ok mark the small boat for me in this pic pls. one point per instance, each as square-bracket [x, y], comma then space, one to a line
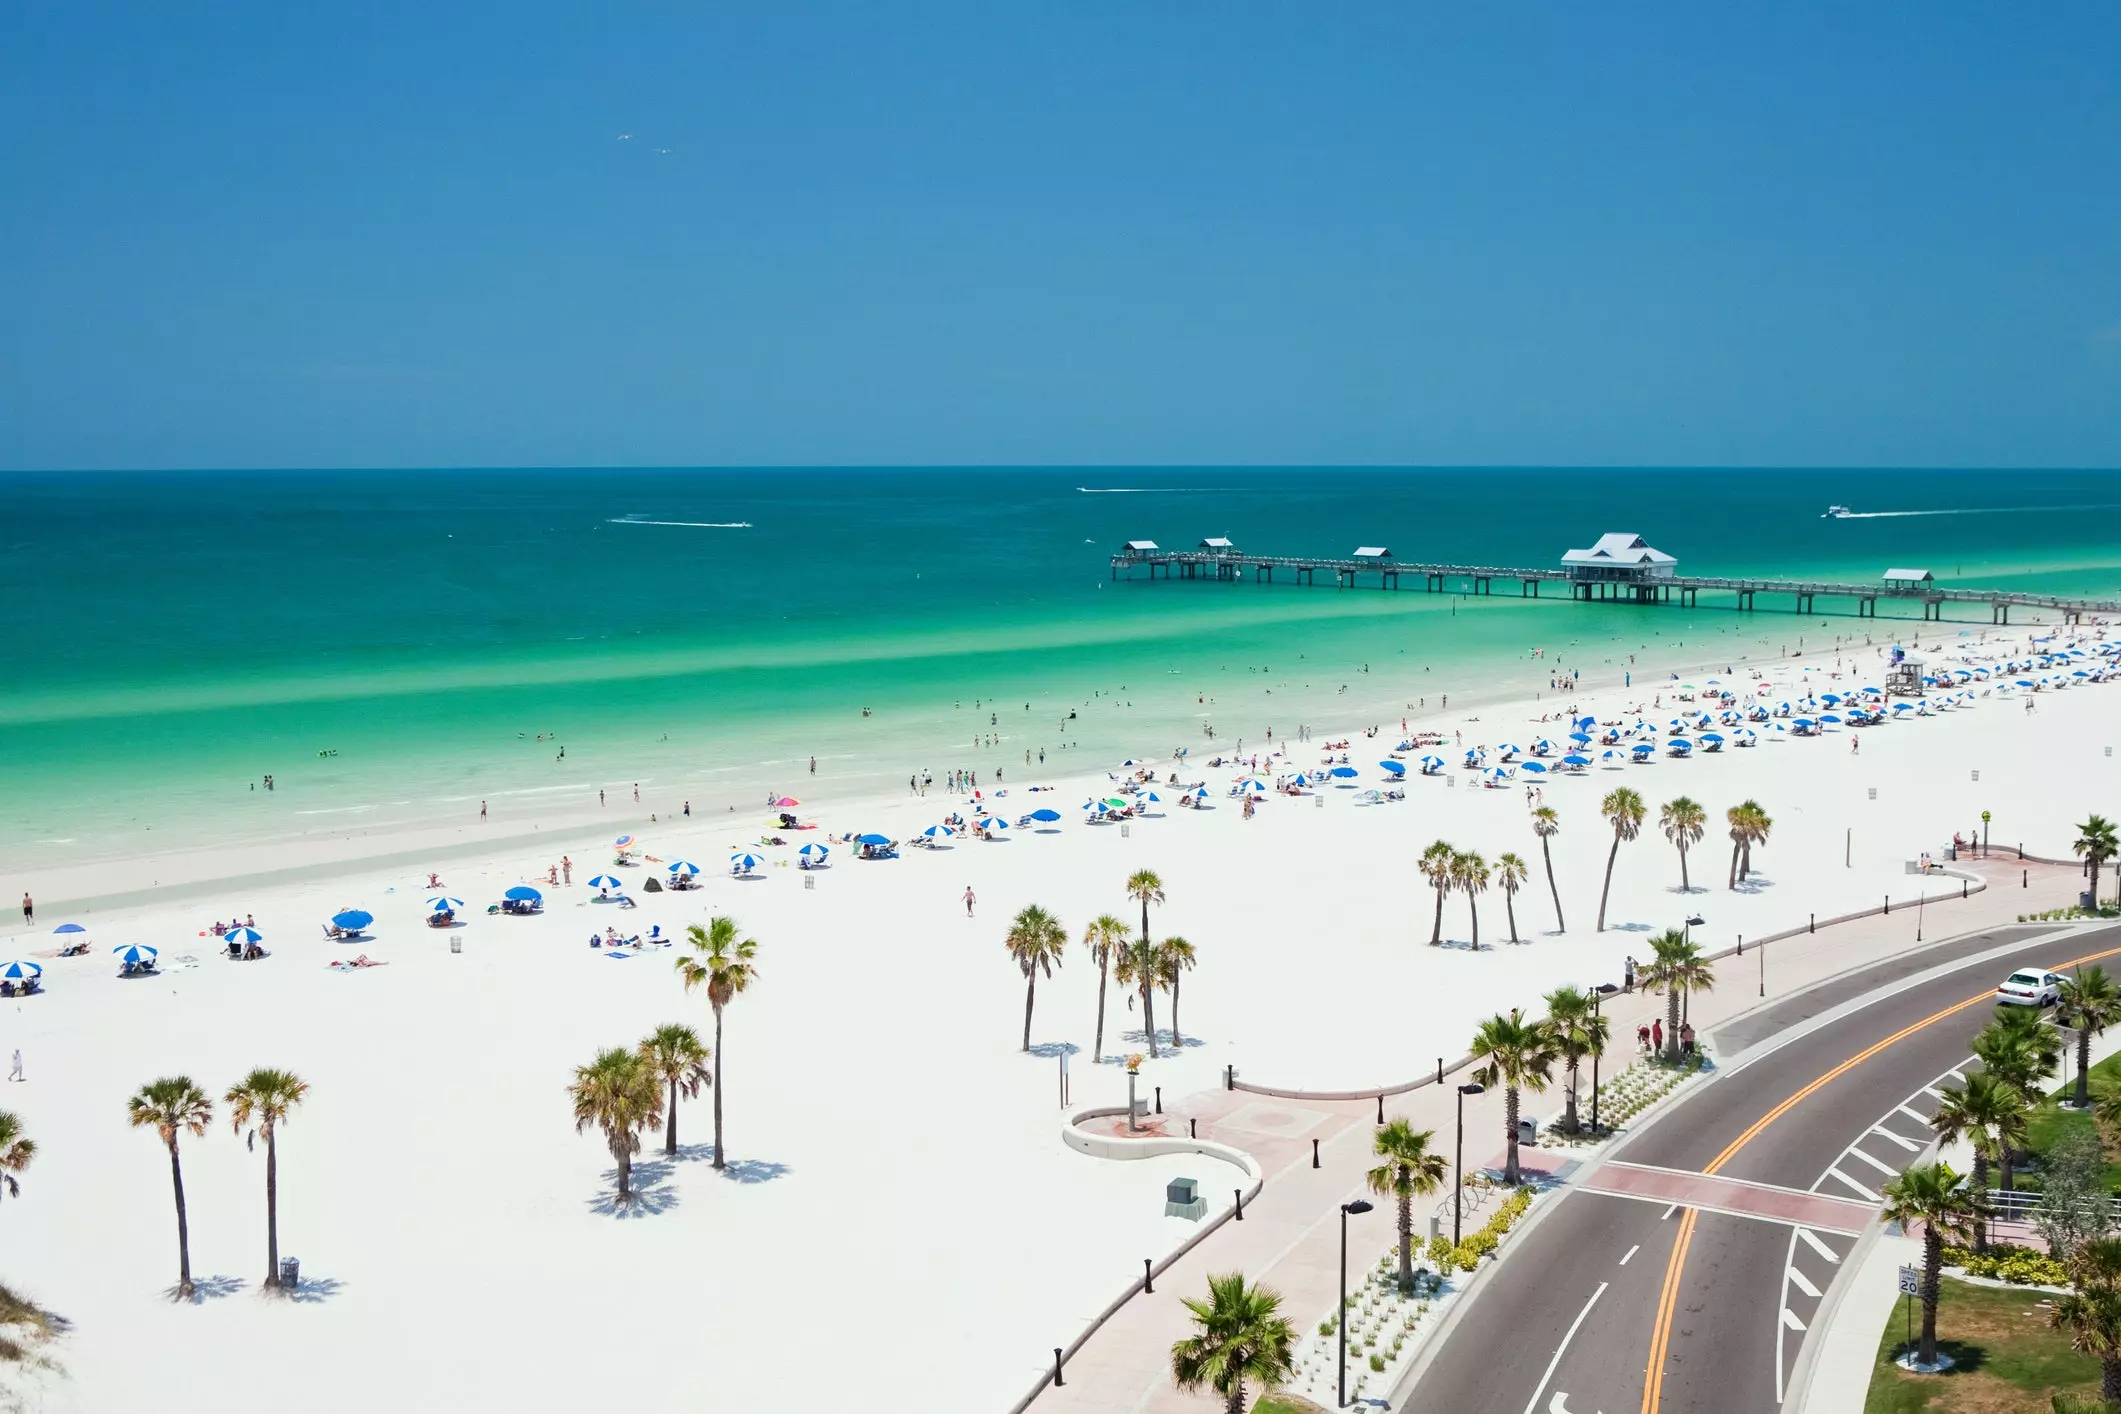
[1837, 513]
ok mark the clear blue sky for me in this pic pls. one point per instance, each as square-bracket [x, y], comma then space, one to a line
[303, 235]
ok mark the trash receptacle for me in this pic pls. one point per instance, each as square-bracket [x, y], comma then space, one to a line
[290, 1272]
[2085, 902]
[1527, 1129]
[456, 945]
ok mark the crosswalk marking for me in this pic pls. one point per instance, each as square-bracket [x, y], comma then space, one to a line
[1908, 1144]
[1933, 1090]
[1789, 1319]
[1837, 1173]
[1817, 1246]
[1879, 1164]
[1798, 1280]
[1920, 1119]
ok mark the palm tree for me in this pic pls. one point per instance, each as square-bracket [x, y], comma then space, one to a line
[2019, 1048]
[1929, 1196]
[1676, 966]
[16, 1151]
[1623, 810]
[1758, 824]
[1409, 1170]
[1735, 817]
[1683, 823]
[725, 968]
[266, 1098]
[1546, 824]
[1146, 887]
[166, 1106]
[1989, 1113]
[1177, 955]
[1469, 875]
[2096, 843]
[1104, 937]
[620, 1093]
[1517, 1055]
[1509, 877]
[1578, 1029]
[2092, 1312]
[1036, 940]
[2091, 1002]
[679, 1058]
[1138, 964]
[1239, 1336]
[1435, 866]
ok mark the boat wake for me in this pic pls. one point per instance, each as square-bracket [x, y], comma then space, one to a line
[1969, 511]
[695, 524]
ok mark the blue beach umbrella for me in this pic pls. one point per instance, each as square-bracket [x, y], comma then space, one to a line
[1711, 739]
[240, 935]
[1397, 768]
[1576, 760]
[20, 971]
[1830, 718]
[744, 863]
[683, 866]
[523, 893]
[1680, 744]
[601, 881]
[1614, 753]
[872, 839]
[1094, 807]
[353, 920]
[993, 823]
[133, 954]
[1580, 738]
[818, 851]
[1430, 765]
[1343, 773]
[1498, 773]
[933, 832]
[1200, 792]
[1643, 749]
[65, 930]
[1151, 796]
[442, 903]
[1535, 768]
[1585, 722]
[1049, 816]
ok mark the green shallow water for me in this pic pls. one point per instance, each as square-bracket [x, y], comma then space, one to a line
[172, 638]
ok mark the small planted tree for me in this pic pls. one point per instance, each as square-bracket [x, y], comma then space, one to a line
[1436, 866]
[1546, 824]
[1239, 1338]
[2089, 1004]
[168, 1106]
[1928, 1197]
[1409, 1171]
[267, 1097]
[16, 1151]
[679, 1058]
[1517, 1055]
[620, 1094]
[1623, 810]
[1684, 823]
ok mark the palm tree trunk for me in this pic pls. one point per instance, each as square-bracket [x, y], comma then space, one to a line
[2004, 1157]
[1548, 856]
[1671, 1023]
[1148, 1014]
[176, 1178]
[670, 1128]
[1474, 905]
[1509, 906]
[1932, 1264]
[1509, 1106]
[1236, 1402]
[272, 1209]
[1686, 885]
[2084, 1060]
[1097, 1054]
[2110, 1378]
[1177, 1041]
[1981, 1190]
[1030, 990]
[1568, 1120]
[1436, 931]
[1406, 1240]
[623, 1152]
[1745, 862]
[1733, 882]
[1611, 856]
[718, 1088]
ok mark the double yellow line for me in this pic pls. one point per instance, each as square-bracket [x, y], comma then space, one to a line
[1668, 1298]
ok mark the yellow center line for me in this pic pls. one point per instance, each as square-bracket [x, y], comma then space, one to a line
[1668, 1299]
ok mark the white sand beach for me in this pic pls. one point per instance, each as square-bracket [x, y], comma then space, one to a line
[887, 1140]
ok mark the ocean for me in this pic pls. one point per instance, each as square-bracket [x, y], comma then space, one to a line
[395, 646]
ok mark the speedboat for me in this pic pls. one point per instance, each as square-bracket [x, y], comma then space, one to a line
[1837, 513]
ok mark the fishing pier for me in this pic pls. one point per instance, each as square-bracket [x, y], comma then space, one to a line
[1621, 567]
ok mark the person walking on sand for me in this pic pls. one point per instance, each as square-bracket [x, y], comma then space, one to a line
[482, 810]
[566, 870]
[968, 900]
[15, 1071]
[29, 909]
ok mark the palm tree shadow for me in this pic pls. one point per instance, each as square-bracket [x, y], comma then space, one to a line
[1754, 882]
[316, 1290]
[753, 1170]
[1047, 1050]
[652, 1194]
[211, 1288]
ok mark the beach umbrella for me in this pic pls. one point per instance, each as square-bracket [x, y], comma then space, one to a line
[814, 851]
[933, 832]
[1255, 787]
[1535, 768]
[1200, 792]
[786, 802]
[1830, 718]
[1711, 738]
[1585, 723]
[683, 866]
[133, 954]
[1680, 743]
[601, 881]
[1498, 773]
[1049, 816]
[1113, 802]
[1397, 768]
[69, 930]
[1614, 753]
[994, 822]
[744, 863]
[1903, 707]
[1151, 796]
[443, 903]
[1642, 750]
[523, 893]
[1580, 738]
[873, 839]
[242, 935]
[21, 971]
[1344, 773]
[624, 842]
[1542, 746]
[1095, 807]
[1576, 760]
[1510, 750]
[1431, 764]
[353, 920]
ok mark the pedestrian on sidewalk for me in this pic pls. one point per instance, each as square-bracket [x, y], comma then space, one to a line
[1642, 1038]
[1628, 975]
[1686, 1038]
[1657, 1035]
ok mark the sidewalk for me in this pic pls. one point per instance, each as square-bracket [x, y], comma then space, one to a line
[1290, 1236]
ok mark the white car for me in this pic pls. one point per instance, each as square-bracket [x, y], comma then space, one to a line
[2030, 989]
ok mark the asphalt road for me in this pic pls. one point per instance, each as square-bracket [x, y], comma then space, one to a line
[1567, 1323]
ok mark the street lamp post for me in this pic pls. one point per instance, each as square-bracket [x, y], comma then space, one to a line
[1458, 1172]
[1686, 999]
[1360, 1205]
[1598, 994]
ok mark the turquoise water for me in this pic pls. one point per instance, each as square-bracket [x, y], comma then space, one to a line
[172, 638]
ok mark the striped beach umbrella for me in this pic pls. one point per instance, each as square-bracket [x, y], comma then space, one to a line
[443, 903]
[601, 881]
[21, 971]
[240, 935]
[816, 852]
[744, 863]
[134, 954]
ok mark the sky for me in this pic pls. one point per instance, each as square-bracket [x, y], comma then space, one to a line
[272, 235]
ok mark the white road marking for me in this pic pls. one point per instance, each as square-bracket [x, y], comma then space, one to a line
[1532, 1404]
[1669, 1211]
[1905, 1143]
[1791, 1320]
[1837, 1173]
[1921, 1119]
[1958, 1075]
[1798, 1280]
[1879, 1164]
[1817, 1246]
[1631, 1252]
[1560, 1404]
[1933, 1090]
